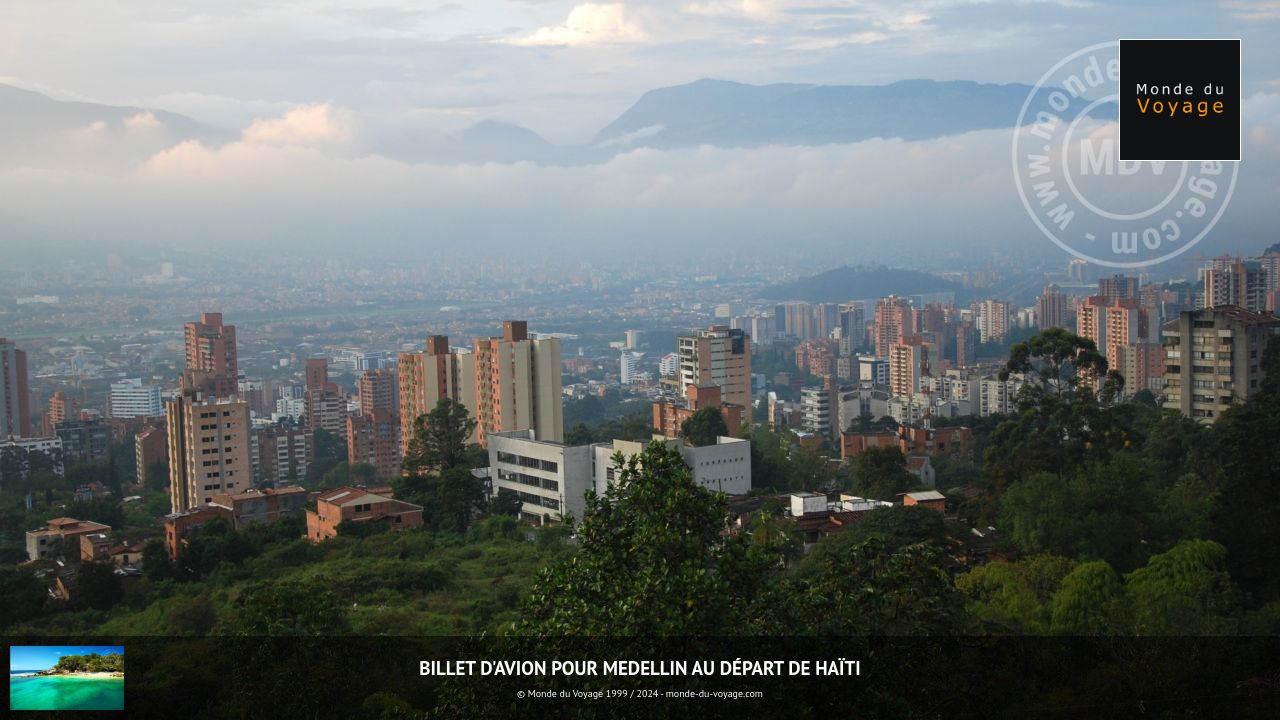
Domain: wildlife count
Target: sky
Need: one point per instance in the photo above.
(306, 91)
(43, 657)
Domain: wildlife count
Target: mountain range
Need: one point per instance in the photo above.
(706, 112)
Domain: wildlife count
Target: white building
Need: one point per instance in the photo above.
(131, 399)
(50, 446)
(873, 370)
(291, 407)
(551, 478)
(723, 467)
(999, 397)
(669, 365)
(630, 367)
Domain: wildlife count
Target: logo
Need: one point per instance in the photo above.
(1097, 207)
(1180, 100)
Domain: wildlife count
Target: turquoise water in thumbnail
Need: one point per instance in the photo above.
(65, 693)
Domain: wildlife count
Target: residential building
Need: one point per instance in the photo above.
(1142, 366)
(873, 370)
(1118, 287)
(908, 363)
(1052, 308)
(518, 384)
(132, 399)
(379, 390)
(717, 356)
(325, 405)
(425, 377)
(510, 382)
(853, 443)
(931, 499)
(819, 416)
(1243, 283)
(966, 344)
(999, 397)
(50, 542)
(669, 365)
(262, 402)
(179, 527)
(629, 367)
(61, 408)
(994, 321)
(373, 438)
(258, 506)
(922, 468)
(1091, 319)
(795, 319)
(853, 325)
(894, 319)
(211, 360)
(1213, 358)
(209, 448)
(670, 413)
(42, 453)
(281, 453)
(84, 440)
(825, 320)
(343, 505)
(150, 446)
(15, 397)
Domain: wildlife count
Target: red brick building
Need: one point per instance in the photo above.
(357, 505)
(669, 415)
(373, 438)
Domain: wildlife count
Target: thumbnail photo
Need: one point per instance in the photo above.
(66, 677)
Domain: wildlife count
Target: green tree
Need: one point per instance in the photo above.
(881, 473)
(1246, 514)
(1060, 423)
(99, 586)
(866, 590)
(1012, 597)
(289, 608)
(1185, 591)
(704, 426)
(194, 615)
(1104, 510)
(897, 527)
(505, 502)
(156, 563)
(439, 438)
(653, 560)
(1087, 601)
(346, 474)
(22, 595)
(579, 434)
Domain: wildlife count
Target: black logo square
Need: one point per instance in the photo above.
(1180, 99)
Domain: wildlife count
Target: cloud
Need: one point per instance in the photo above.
(824, 43)
(909, 202)
(307, 126)
(1254, 10)
(628, 138)
(145, 120)
(589, 24)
